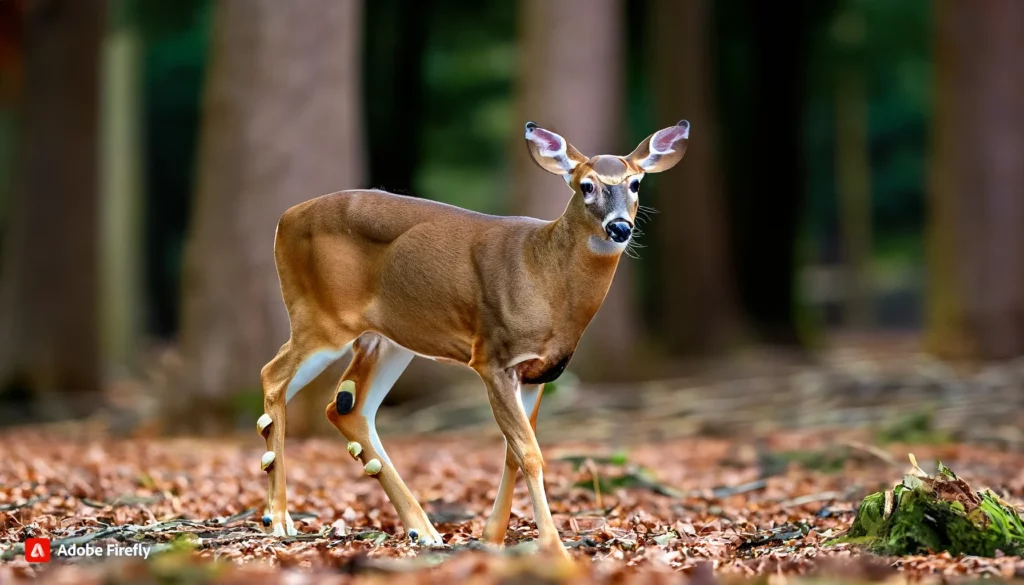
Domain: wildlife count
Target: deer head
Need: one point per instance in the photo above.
(608, 186)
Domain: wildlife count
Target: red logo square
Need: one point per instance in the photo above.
(37, 550)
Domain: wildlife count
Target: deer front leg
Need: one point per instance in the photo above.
(497, 524)
(376, 365)
(503, 391)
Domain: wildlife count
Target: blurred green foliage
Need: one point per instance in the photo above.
(176, 38)
(469, 74)
(888, 45)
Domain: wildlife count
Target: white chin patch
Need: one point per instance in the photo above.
(606, 247)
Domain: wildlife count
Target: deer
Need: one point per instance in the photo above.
(390, 277)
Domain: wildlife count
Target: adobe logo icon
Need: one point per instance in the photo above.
(37, 550)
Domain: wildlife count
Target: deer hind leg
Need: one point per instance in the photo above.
(376, 365)
(282, 378)
(497, 524)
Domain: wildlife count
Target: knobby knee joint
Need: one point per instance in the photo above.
(272, 391)
(273, 396)
(532, 464)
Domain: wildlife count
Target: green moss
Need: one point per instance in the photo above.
(933, 514)
(869, 517)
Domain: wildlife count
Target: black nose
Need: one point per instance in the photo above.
(619, 230)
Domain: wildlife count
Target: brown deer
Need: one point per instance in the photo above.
(390, 277)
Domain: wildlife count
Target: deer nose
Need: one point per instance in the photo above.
(619, 230)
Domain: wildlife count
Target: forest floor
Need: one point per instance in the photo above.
(726, 475)
(699, 509)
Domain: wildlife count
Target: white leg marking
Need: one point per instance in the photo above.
(391, 365)
(311, 367)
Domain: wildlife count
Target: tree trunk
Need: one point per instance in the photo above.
(121, 192)
(853, 182)
(281, 125)
(764, 109)
(394, 60)
(11, 56)
(976, 288)
(48, 296)
(572, 83)
(698, 310)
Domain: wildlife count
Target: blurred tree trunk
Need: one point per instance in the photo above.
(698, 298)
(11, 56)
(853, 169)
(853, 177)
(121, 194)
(48, 290)
(281, 125)
(976, 287)
(394, 62)
(573, 84)
(764, 106)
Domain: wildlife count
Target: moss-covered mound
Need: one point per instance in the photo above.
(931, 514)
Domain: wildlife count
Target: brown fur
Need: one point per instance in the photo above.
(482, 287)
(509, 297)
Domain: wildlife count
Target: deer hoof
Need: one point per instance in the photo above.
(346, 399)
(263, 423)
(266, 520)
(354, 449)
(267, 460)
(414, 535)
(373, 467)
(289, 526)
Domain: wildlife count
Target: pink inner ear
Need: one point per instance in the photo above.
(548, 141)
(664, 139)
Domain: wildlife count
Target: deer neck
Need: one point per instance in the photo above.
(578, 273)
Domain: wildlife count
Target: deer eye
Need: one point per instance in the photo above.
(587, 187)
(634, 185)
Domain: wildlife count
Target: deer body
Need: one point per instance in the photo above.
(446, 283)
(390, 277)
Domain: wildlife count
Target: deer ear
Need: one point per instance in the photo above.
(663, 149)
(551, 152)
